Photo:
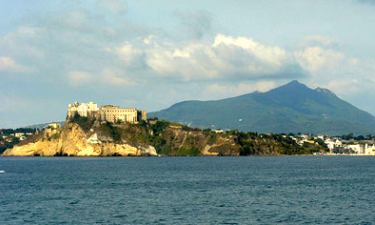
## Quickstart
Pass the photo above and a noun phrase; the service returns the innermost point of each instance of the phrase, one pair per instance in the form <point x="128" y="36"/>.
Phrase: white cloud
<point x="130" y="55"/>
<point x="112" y="78"/>
<point x="7" y="64"/>
<point x="315" y="59"/>
<point x="21" y="46"/>
<point x="225" y="58"/>
<point x="225" y="90"/>
<point x="79" y="78"/>
<point x="345" y="87"/>
<point x="115" y="6"/>
<point x="269" y="54"/>
<point x="148" y="40"/>
<point x="190" y="62"/>
<point x="75" y="19"/>
<point x="107" y="77"/>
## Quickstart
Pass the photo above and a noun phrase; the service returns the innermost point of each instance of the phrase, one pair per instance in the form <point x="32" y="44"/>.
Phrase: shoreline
<point x="198" y="156"/>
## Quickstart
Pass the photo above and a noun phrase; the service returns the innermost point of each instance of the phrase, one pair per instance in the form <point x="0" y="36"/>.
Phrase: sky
<point x="152" y="54"/>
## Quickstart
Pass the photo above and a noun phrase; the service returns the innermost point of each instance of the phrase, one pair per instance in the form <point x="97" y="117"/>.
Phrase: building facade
<point x="333" y="143"/>
<point x="109" y="113"/>
<point x="82" y="109"/>
<point x="114" y="114"/>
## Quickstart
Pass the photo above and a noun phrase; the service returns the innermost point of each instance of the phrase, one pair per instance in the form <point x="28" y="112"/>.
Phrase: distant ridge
<point x="43" y="125"/>
<point x="291" y="108"/>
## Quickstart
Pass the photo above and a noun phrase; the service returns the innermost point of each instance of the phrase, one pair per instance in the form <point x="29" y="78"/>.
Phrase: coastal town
<point x="340" y="145"/>
<point x="335" y="145"/>
<point x="11" y="137"/>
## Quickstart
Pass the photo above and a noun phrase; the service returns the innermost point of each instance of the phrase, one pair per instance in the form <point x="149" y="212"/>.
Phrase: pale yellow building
<point x="54" y="125"/>
<point x="109" y="113"/>
<point x="115" y="114"/>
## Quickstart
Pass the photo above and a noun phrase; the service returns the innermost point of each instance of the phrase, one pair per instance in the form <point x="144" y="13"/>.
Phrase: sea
<point x="188" y="190"/>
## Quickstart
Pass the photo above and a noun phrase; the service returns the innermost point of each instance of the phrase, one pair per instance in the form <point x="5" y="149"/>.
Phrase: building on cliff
<point x="109" y="113"/>
<point x="82" y="109"/>
<point x="114" y="114"/>
<point x="54" y="126"/>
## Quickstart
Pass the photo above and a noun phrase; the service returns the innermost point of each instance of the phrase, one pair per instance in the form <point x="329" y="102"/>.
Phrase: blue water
<point x="242" y="190"/>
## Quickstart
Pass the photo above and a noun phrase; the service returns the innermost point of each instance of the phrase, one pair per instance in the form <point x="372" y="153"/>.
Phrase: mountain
<point x="291" y="108"/>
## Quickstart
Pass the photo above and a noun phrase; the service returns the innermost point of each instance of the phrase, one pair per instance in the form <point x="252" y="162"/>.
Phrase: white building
<point x="19" y="135"/>
<point x="333" y="143"/>
<point x="82" y="109"/>
<point x="107" y="113"/>
<point x="370" y="149"/>
<point x="357" y="148"/>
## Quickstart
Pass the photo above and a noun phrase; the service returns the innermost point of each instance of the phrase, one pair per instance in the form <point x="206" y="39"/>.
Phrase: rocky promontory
<point x="90" y="137"/>
<point x="72" y="140"/>
<point x="85" y="137"/>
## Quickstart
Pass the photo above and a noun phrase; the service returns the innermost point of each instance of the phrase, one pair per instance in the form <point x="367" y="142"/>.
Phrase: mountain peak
<point x="291" y="88"/>
<point x="295" y="87"/>
<point x="295" y="83"/>
<point x="293" y="107"/>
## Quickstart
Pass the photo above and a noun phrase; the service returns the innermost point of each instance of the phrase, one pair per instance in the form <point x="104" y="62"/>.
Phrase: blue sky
<point x="151" y="54"/>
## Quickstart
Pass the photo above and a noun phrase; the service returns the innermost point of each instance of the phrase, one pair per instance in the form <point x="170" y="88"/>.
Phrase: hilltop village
<point x="108" y="130"/>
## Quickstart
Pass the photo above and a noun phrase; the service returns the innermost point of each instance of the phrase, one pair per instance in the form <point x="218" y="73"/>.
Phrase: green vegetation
<point x="8" y="139"/>
<point x="54" y="136"/>
<point x="174" y="139"/>
<point x="84" y="122"/>
<point x="6" y="145"/>
<point x="177" y="140"/>
<point x="190" y="151"/>
<point x="262" y="144"/>
<point x="109" y="130"/>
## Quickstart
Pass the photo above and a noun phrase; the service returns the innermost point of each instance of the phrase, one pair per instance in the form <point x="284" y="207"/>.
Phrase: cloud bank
<point x="100" y="52"/>
<point x="224" y="58"/>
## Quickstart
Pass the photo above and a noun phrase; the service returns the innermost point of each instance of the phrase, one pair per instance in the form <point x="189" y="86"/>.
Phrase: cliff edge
<point x="72" y="140"/>
<point x="85" y="137"/>
<point x="82" y="136"/>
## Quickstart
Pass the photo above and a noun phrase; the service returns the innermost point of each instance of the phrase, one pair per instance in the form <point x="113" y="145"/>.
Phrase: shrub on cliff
<point x="159" y="126"/>
<point x="108" y="130"/>
<point x="188" y="151"/>
<point x="84" y="122"/>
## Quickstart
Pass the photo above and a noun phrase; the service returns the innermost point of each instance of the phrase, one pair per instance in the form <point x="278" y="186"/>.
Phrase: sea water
<point x="188" y="190"/>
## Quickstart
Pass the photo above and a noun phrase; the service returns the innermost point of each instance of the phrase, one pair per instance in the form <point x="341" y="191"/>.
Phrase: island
<point x="109" y="130"/>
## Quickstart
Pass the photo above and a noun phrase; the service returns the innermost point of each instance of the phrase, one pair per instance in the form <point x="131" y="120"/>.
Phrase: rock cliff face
<point x="89" y="137"/>
<point x="72" y="140"/>
<point x="92" y="138"/>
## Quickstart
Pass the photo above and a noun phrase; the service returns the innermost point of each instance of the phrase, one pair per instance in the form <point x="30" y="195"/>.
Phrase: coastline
<point x="199" y="156"/>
